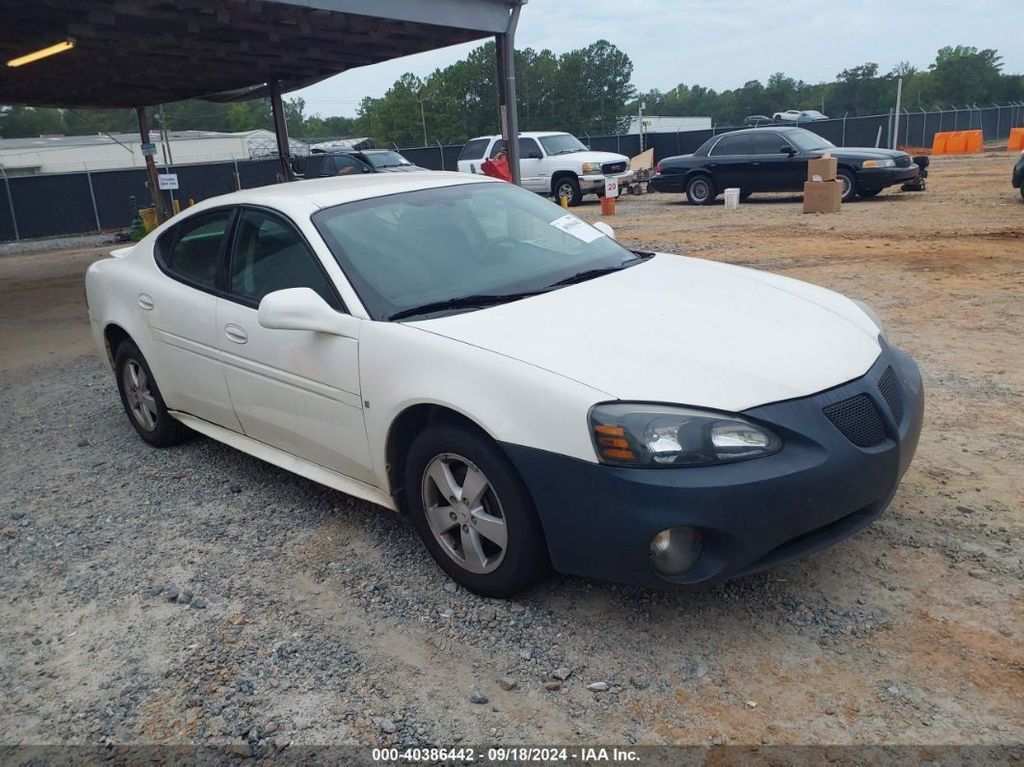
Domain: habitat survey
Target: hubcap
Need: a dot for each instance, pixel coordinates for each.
(699, 190)
(141, 402)
(847, 186)
(565, 191)
(464, 513)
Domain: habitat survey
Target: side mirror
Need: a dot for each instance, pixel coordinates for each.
(604, 229)
(303, 309)
(788, 150)
(535, 155)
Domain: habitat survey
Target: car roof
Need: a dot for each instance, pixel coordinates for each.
(765, 129)
(336, 190)
(527, 134)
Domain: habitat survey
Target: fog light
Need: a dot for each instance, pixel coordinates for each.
(675, 550)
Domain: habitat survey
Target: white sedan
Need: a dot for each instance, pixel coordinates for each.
(528, 391)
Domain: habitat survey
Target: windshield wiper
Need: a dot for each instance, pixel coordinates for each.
(570, 151)
(463, 302)
(590, 274)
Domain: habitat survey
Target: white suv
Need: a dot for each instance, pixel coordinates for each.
(557, 164)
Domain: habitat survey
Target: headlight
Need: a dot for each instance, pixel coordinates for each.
(591, 167)
(871, 316)
(879, 163)
(637, 434)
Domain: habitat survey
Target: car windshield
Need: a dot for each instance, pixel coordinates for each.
(386, 159)
(806, 141)
(562, 143)
(414, 249)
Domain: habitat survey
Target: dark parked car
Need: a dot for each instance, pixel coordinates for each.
(755, 120)
(775, 160)
(1018, 175)
(346, 162)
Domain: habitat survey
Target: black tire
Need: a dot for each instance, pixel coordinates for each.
(150, 419)
(700, 190)
(524, 561)
(1022, 191)
(568, 187)
(849, 182)
(866, 193)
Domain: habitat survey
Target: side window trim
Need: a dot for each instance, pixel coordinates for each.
(227, 263)
(226, 240)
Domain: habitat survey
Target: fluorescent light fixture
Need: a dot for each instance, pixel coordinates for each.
(28, 58)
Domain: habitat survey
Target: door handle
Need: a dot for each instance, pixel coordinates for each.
(146, 301)
(235, 333)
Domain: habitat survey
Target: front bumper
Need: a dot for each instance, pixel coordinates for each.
(594, 184)
(880, 178)
(752, 515)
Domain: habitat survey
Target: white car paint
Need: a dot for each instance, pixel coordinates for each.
(321, 404)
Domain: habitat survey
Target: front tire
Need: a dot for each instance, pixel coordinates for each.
(849, 182)
(700, 190)
(142, 400)
(473, 512)
(867, 193)
(568, 188)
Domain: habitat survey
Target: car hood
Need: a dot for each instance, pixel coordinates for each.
(601, 157)
(865, 153)
(400, 169)
(681, 330)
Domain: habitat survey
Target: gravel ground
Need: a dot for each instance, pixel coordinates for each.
(196, 595)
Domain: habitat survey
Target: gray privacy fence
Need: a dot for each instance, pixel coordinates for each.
(72, 203)
(46, 205)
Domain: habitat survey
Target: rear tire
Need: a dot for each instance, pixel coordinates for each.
(700, 190)
(473, 512)
(142, 400)
(849, 182)
(866, 193)
(568, 188)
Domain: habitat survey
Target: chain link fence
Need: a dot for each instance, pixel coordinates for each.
(56, 204)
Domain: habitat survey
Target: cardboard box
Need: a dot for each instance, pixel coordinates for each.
(822, 196)
(822, 169)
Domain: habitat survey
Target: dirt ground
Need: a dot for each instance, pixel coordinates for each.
(911, 632)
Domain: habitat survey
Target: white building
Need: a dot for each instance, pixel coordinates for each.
(73, 154)
(656, 124)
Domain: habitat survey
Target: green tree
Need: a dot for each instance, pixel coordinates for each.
(964, 75)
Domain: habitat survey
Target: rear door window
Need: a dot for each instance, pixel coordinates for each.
(192, 251)
(737, 144)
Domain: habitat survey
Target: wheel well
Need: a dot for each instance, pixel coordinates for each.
(114, 335)
(558, 176)
(404, 430)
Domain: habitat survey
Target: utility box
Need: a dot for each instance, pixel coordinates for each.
(822, 169)
(822, 196)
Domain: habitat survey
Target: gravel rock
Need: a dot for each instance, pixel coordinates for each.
(598, 686)
(184, 596)
(478, 698)
(172, 591)
(384, 724)
(198, 603)
(561, 673)
(507, 683)
(553, 685)
(640, 682)
(155, 589)
(16, 515)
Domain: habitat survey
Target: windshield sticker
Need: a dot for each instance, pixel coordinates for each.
(578, 228)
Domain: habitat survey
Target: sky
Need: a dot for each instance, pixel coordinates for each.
(724, 43)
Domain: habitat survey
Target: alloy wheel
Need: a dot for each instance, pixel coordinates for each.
(141, 402)
(464, 513)
(699, 190)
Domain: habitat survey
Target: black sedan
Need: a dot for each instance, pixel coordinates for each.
(1018, 175)
(775, 160)
(348, 161)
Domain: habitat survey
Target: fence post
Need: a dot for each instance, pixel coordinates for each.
(924, 126)
(956, 119)
(92, 196)
(843, 141)
(440, 149)
(906, 140)
(10, 202)
(238, 179)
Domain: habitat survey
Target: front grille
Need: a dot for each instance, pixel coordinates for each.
(903, 161)
(614, 167)
(890, 388)
(858, 419)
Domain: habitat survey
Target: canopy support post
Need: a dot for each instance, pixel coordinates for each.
(281, 131)
(154, 183)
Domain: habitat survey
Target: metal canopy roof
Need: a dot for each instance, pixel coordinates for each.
(158, 51)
